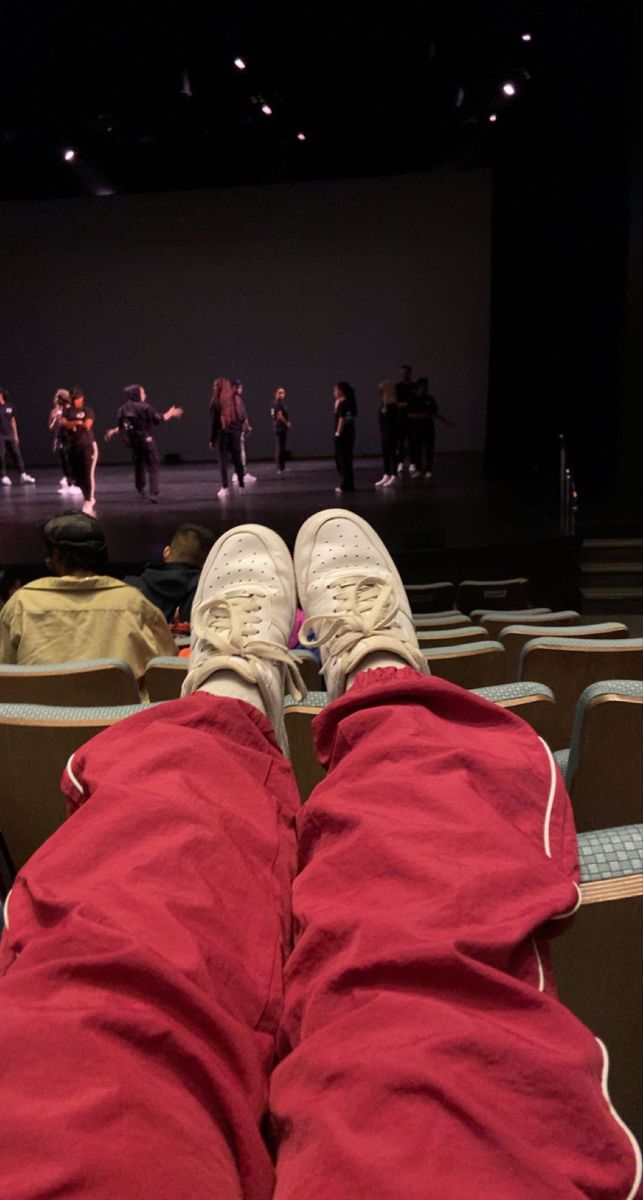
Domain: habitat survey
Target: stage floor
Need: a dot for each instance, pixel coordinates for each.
(416, 517)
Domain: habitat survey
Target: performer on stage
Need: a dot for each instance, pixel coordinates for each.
(422, 412)
(61, 437)
(403, 394)
(77, 424)
(10, 442)
(228, 421)
(237, 388)
(388, 431)
(345, 412)
(135, 421)
(281, 425)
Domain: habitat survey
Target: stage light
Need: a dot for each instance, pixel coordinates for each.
(69, 155)
(509, 88)
(301, 137)
(526, 37)
(266, 110)
(239, 64)
(492, 117)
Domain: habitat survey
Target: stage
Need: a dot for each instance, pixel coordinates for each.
(454, 526)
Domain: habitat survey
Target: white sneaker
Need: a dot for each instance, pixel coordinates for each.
(400, 468)
(26, 478)
(413, 470)
(64, 483)
(88, 507)
(428, 474)
(222, 493)
(75, 489)
(248, 478)
(242, 616)
(390, 479)
(63, 488)
(356, 603)
(381, 482)
(235, 480)
(5, 481)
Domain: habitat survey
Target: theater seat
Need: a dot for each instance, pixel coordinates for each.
(463, 635)
(309, 667)
(100, 681)
(598, 960)
(164, 677)
(298, 718)
(36, 742)
(444, 620)
(569, 665)
(430, 597)
(604, 767)
(514, 637)
(496, 593)
(480, 664)
(495, 622)
(531, 701)
(509, 615)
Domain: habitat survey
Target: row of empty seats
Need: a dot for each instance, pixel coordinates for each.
(469, 594)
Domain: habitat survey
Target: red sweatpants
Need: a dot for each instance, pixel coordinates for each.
(152, 1045)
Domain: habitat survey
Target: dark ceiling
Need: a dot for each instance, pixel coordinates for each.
(148, 96)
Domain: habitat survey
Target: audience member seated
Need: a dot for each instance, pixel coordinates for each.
(10, 581)
(80, 612)
(171, 585)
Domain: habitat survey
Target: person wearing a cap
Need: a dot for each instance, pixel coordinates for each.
(135, 421)
(80, 612)
(76, 425)
(62, 397)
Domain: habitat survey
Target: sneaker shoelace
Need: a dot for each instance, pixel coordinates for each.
(228, 625)
(365, 605)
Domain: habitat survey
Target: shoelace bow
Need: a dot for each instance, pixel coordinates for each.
(227, 624)
(365, 605)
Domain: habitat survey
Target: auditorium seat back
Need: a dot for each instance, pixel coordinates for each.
(495, 622)
(101, 681)
(569, 665)
(479, 664)
(514, 637)
(462, 636)
(494, 593)
(164, 677)
(444, 620)
(430, 597)
(36, 742)
(604, 773)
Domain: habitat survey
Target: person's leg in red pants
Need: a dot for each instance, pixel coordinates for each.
(425, 1053)
(141, 972)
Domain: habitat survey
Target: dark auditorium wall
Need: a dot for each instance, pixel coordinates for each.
(298, 285)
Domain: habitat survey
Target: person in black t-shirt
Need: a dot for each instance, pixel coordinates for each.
(77, 423)
(345, 411)
(281, 424)
(135, 421)
(10, 442)
(403, 395)
(423, 411)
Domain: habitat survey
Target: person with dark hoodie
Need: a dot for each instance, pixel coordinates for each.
(171, 585)
(134, 421)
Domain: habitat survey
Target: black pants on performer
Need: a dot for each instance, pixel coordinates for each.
(388, 431)
(62, 454)
(422, 444)
(146, 465)
(12, 447)
(281, 437)
(230, 450)
(81, 459)
(344, 458)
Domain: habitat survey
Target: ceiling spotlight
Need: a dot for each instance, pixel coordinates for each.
(266, 110)
(69, 155)
(239, 64)
(525, 37)
(509, 88)
(492, 117)
(301, 137)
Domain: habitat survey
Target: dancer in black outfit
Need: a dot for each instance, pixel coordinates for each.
(403, 394)
(228, 420)
(61, 437)
(135, 421)
(281, 425)
(423, 411)
(76, 424)
(388, 431)
(10, 442)
(345, 412)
